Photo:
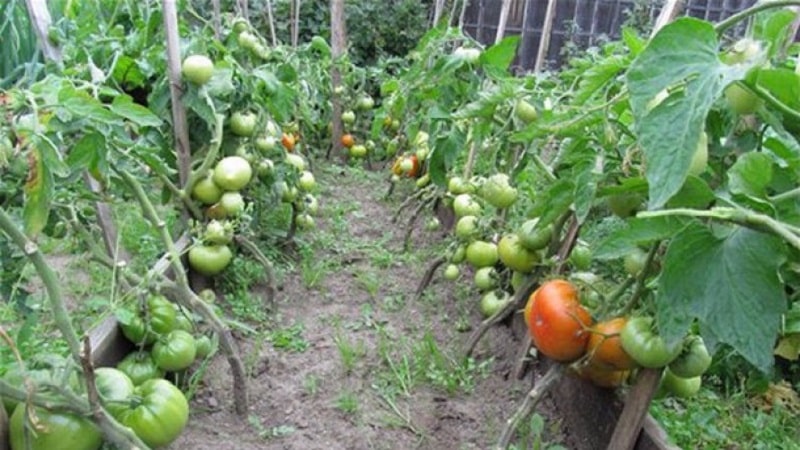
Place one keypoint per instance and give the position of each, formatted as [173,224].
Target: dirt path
[350,361]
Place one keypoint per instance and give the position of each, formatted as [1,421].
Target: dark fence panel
[578,23]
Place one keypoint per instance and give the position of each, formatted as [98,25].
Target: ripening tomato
[604,347]
[348,140]
[558,323]
[601,376]
[288,141]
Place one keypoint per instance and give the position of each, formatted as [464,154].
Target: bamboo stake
[296,23]
[217,14]
[501,24]
[437,12]
[40,20]
[667,15]
[271,24]
[547,30]
[179,125]
[338,48]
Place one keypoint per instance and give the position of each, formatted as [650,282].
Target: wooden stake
[40,20]
[180,127]
[338,48]
[271,24]
[501,24]
[667,15]
[547,29]
[629,424]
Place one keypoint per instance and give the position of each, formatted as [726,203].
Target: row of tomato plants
[658,175]
[255,115]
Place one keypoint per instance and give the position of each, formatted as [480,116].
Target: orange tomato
[415,167]
[602,377]
[288,141]
[558,323]
[348,140]
[605,348]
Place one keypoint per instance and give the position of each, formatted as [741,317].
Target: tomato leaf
[38,194]
[124,106]
[637,232]
[444,153]
[750,175]
[773,26]
[496,59]
[730,284]
[682,54]
[85,151]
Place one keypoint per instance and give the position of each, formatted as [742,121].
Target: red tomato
[558,323]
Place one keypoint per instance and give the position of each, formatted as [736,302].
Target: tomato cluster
[607,352]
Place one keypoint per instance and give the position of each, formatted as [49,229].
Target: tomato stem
[721,27]
[738,216]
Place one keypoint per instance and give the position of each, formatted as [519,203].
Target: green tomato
[634,262]
[457,185]
[694,359]
[157,412]
[498,192]
[204,345]
[467,227]
[357,151]
[218,232]
[232,173]
[624,205]
[700,158]
[741,99]
[365,103]
[525,111]
[140,367]
[306,182]
[348,117]
[451,272]
[517,279]
[183,322]
[647,348]
[680,387]
[51,372]
[206,191]
[113,385]
[266,144]
[198,69]
[56,431]
[210,260]
[534,237]
[143,326]
[243,123]
[232,203]
[465,205]
[481,254]
[492,302]
[485,278]
[514,255]
[581,256]
[175,351]
[459,254]
[296,161]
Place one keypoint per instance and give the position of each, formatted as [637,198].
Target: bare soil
[341,392]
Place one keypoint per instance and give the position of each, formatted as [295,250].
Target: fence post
[501,24]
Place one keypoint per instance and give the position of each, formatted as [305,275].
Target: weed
[311,384]
[289,339]
[347,402]
[269,433]
[349,352]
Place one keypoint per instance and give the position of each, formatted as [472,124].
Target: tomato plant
[693,360]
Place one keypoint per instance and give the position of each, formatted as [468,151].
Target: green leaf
[636,233]
[750,175]
[84,106]
[773,26]
[681,55]
[635,43]
[286,73]
[553,202]
[84,152]
[730,284]
[444,153]
[695,193]
[124,106]
[38,194]
[598,76]
[497,58]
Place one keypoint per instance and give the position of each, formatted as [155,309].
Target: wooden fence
[575,23]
